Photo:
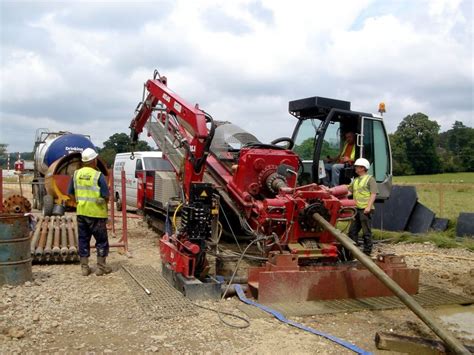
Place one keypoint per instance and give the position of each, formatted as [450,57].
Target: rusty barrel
[15,258]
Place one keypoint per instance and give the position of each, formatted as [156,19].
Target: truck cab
[319,133]
[135,168]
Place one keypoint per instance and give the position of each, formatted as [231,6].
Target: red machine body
[258,183]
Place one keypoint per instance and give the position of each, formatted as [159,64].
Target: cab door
[374,146]
[135,180]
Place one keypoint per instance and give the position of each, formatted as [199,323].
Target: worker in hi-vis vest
[334,165]
[364,191]
[91,193]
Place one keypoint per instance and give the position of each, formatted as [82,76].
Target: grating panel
[164,300]
[428,296]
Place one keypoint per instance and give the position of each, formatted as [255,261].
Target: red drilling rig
[226,181]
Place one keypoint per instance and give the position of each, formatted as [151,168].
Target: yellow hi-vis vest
[87,191]
[361,191]
[353,152]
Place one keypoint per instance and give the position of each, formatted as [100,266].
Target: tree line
[417,147]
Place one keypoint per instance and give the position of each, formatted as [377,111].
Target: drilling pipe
[49,239]
[71,237]
[62,226]
[36,235]
[42,239]
[56,239]
[453,343]
[76,231]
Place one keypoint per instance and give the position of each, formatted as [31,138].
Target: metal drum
[15,258]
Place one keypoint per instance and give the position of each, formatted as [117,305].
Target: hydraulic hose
[283,319]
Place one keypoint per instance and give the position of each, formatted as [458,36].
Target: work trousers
[334,171]
[362,221]
[88,227]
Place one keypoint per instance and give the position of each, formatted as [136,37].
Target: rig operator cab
[319,133]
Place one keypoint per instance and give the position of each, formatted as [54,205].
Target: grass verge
[445,239]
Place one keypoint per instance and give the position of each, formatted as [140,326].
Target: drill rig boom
[185,125]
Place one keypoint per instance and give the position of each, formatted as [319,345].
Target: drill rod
[147,291]
[454,344]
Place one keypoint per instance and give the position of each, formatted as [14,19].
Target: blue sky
[80,66]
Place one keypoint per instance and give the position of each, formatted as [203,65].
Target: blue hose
[283,319]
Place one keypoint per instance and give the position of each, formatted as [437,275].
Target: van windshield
[159,164]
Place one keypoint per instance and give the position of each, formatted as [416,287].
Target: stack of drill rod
[55,240]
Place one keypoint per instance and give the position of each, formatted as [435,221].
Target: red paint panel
[62,182]
[277,283]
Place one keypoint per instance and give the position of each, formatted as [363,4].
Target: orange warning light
[382,107]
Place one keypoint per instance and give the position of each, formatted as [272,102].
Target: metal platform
[193,289]
[428,296]
[164,301]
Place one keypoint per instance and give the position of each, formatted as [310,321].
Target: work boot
[102,268]
[85,269]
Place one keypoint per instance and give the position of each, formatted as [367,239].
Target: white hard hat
[362,162]
[88,155]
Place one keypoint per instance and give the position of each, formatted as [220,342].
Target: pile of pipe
[55,239]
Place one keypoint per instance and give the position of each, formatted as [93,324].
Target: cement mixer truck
[57,155]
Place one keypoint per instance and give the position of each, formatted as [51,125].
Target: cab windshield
[305,139]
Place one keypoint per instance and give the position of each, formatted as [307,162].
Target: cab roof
[315,106]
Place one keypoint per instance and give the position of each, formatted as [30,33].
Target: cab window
[158,164]
[375,149]
[332,141]
[304,142]
[139,165]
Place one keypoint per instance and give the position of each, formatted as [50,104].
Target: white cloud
[25,74]
[240,60]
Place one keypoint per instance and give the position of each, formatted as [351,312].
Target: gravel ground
[61,311]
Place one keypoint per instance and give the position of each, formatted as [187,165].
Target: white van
[135,175]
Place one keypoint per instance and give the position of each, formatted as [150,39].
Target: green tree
[3,148]
[3,155]
[457,145]
[120,143]
[305,149]
[401,164]
[417,136]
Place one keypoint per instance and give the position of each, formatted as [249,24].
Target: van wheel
[48,205]
[35,196]
[118,203]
